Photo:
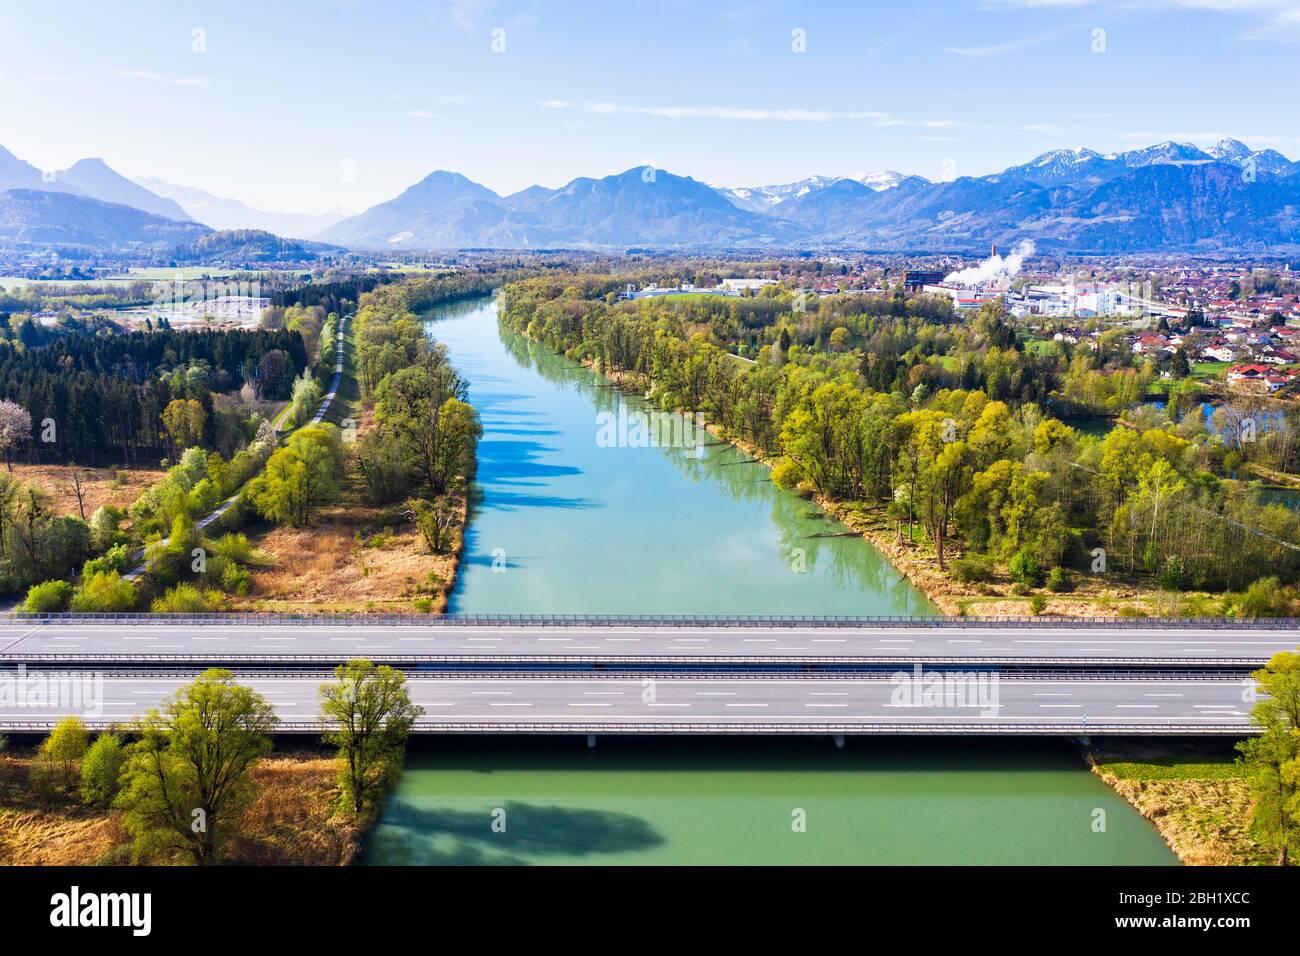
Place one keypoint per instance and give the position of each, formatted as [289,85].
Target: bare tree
[78,486]
[15,430]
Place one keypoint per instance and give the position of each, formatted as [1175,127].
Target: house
[1217,352]
[1276,355]
[1259,377]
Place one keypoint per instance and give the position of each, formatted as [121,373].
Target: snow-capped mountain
[764,198]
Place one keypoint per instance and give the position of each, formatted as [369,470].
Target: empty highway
[265,641]
[976,703]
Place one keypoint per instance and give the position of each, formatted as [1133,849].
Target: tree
[188,774]
[100,769]
[433,520]
[370,715]
[15,430]
[384,459]
[306,398]
[184,420]
[300,477]
[1273,758]
[78,486]
[423,403]
[62,749]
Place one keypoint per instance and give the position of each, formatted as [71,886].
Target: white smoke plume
[997,269]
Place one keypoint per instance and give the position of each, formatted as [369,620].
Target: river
[568,525]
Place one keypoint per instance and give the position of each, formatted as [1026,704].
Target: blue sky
[343,103]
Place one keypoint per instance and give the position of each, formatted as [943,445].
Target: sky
[318,105]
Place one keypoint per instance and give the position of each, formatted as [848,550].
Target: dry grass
[62,833]
[355,557]
[290,822]
[1204,821]
[293,821]
[101,486]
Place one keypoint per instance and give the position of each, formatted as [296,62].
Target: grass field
[1208,369]
[1211,767]
[100,486]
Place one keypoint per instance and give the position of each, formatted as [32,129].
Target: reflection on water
[490,800]
[563,525]
[582,528]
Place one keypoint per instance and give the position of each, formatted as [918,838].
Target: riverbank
[1200,803]
[292,820]
[1001,596]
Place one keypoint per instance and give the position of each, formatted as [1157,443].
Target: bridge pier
[839,741]
[591,740]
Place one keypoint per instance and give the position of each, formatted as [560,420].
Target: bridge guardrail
[726,728]
[653,620]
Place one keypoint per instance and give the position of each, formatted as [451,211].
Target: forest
[946,424]
[102,399]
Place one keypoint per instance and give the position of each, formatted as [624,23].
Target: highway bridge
[974,703]
[669,676]
[715,641]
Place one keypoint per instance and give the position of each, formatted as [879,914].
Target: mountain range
[1167,197]
[222,213]
[1172,197]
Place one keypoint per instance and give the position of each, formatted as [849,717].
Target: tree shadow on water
[462,837]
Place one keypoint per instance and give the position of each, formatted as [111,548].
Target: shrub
[1173,576]
[786,474]
[167,564]
[116,559]
[1058,580]
[236,580]
[1265,598]
[1025,568]
[103,526]
[48,597]
[971,569]
[236,547]
[104,591]
[100,769]
[183,599]
[1037,604]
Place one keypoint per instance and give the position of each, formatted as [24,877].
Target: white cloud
[1276,19]
[997,49]
[749,114]
[425,114]
[464,12]
[148,76]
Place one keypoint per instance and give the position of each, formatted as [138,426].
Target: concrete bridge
[669,676]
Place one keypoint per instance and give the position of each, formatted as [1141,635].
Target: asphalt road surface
[971,702]
[263,641]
